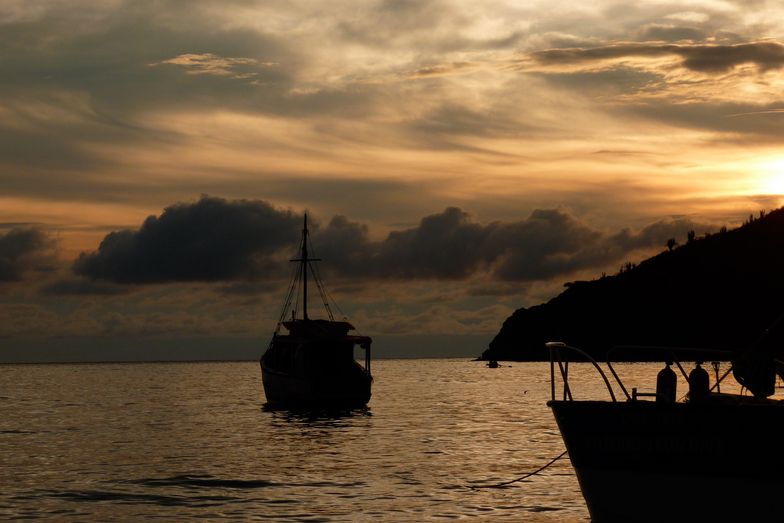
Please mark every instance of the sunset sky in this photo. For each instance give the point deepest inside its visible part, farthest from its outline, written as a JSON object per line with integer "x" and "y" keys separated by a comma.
{"x": 457, "y": 160}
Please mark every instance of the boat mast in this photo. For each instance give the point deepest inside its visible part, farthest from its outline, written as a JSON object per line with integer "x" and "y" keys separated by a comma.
{"x": 304, "y": 265}
{"x": 305, "y": 269}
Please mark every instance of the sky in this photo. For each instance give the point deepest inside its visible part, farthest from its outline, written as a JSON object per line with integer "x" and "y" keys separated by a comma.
{"x": 457, "y": 161}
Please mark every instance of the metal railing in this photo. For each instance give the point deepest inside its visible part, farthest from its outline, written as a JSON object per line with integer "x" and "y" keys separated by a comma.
{"x": 559, "y": 349}
{"x": 563, "y": 365}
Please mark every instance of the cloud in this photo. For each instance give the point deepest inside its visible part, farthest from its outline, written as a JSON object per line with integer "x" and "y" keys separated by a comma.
{"x": 543, "y": 246}
{"x": 219, "y": 240}
{"x": 443, "y": 70}
{"x": 445, "y": 246}
{"x": 79, "y": 92}
{"x": 686, "y": 85}
{"x": 670, "y": 33}
{"x": 702, "y": 58}
{"x": 30, "y": 321}
{"x": 656, "y": 53}
{"x": 210, "y": 240}
{"x": 26, "y": 250}
{"x": 721, "y": 58}
{"x": 621, "y": 245}
{"x": 103, "y": 54}
{"x": 81, "y": 287}
{"x": 437, "y": 319}
{"x": 549, "y": 244}
{"x": 211, "y": 64}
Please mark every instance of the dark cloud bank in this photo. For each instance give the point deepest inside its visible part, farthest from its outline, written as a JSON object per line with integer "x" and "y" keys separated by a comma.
{"x": 219, "y": 240}
{"x": 25, "y": 250}
{"x": 210, "y": 240}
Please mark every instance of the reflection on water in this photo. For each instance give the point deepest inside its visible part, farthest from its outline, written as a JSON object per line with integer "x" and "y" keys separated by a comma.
{"x": 135, "y": 442}
{"x": 315, "y": 416}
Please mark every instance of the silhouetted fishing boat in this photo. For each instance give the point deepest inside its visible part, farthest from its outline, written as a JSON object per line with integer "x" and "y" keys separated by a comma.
{"x": 710, "y": 456}
{"x": 313, "y": 365}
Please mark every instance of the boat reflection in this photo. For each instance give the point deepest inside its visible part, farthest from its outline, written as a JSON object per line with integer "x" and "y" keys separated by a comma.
{"x": 316, "y": 416}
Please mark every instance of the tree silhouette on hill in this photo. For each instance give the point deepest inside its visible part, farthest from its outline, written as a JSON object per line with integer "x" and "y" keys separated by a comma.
{"x": 720, "y": 292}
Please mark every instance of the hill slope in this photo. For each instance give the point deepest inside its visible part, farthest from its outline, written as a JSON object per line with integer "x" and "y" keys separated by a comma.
{"x": 717, "y": 292}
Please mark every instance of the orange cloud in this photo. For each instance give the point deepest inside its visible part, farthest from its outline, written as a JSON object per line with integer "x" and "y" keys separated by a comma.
{"x": 211, "y": 64}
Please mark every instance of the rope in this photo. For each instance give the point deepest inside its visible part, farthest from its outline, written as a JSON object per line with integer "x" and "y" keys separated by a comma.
{"x": 537, "y": 471}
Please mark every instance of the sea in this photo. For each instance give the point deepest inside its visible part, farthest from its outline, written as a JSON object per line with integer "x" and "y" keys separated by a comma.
{"x": 440, "y": 440}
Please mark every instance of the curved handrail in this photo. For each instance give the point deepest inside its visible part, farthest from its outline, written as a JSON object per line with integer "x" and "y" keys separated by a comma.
{"x": 555, "y": 349}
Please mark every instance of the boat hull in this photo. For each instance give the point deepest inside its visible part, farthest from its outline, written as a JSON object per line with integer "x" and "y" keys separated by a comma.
{"x": 646, "y": 462}
{"x": 323, "y": 391}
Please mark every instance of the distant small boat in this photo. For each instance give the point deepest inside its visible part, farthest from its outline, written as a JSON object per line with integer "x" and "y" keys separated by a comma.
{"x": 492, "y": 364}
{"x": 313, "y": 365}
{"x": 716, "y": 457}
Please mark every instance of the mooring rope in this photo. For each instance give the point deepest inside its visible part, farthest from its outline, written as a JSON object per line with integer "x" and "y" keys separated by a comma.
{"x": 505, "y": 483}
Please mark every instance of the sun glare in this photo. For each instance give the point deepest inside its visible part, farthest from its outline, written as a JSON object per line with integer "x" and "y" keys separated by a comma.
{"x": 775, "y": 184}
{"x": 773, "y": 178}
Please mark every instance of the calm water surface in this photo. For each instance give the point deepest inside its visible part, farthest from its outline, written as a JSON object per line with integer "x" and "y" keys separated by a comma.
{"x": 193, "y": 441}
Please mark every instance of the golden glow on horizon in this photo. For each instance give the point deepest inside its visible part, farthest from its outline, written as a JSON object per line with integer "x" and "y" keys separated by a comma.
{"x": 772, "y": 179}
{"x": 78, "y": 226}
{"x": 775, "y": 184}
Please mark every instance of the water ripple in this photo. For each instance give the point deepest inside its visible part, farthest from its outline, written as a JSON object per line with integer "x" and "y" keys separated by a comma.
{"x": 203, "y": 482}
{"x": 175, "y": 442}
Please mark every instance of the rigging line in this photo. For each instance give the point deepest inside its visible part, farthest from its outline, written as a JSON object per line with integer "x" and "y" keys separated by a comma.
{"x": 292, "y": 290}
{"x": 343, "y": 314}
{"x": 287, "y": 304}
{"x": 299, "y": 291}
{"x": 320, "y": 286}
{"x": 322, "y": 290}
{"x": 537, "y": 471}
{"x": 317, "y": 278}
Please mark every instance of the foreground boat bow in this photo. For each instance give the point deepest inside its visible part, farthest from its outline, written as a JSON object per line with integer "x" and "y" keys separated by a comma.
{"x": 650, "y": 460}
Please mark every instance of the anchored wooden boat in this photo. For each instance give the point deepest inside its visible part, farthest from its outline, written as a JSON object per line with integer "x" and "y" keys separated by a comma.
{"x": 313, "y": 364}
